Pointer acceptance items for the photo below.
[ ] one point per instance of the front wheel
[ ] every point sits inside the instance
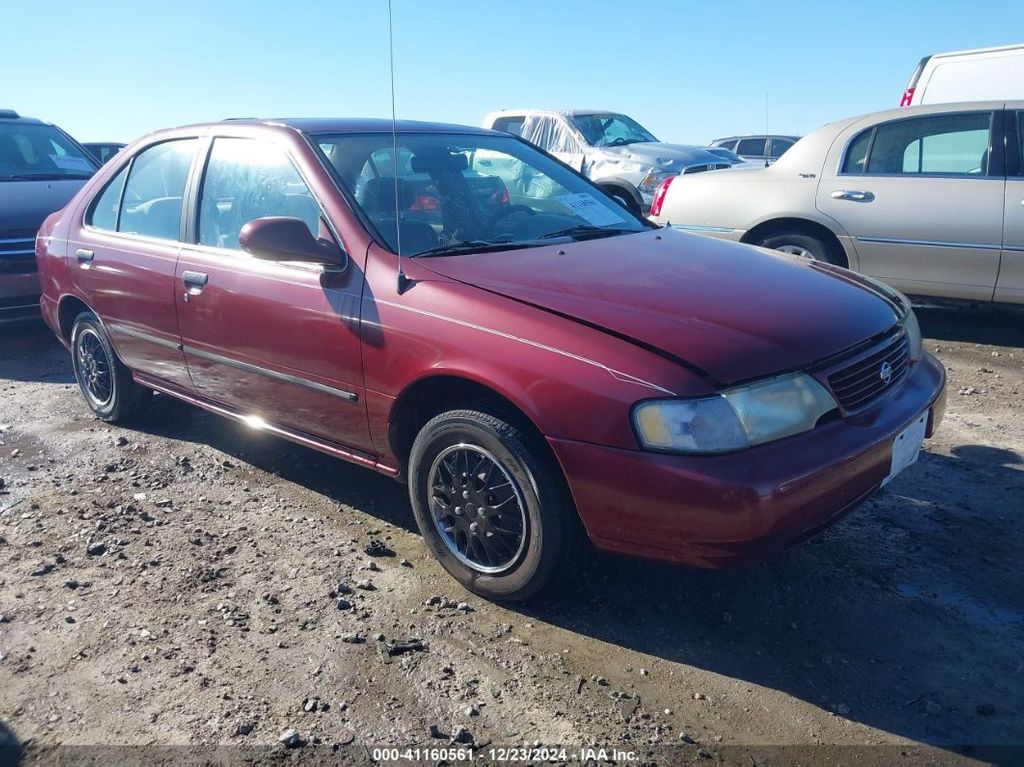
(105, 382)
(490, 502)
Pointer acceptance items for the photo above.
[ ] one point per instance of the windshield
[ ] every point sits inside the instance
(610, 129)
(32, 151)
(469, 192)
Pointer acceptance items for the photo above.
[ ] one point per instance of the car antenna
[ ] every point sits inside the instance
(403, 281)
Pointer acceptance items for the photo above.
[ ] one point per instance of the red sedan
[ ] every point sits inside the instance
(454, 308)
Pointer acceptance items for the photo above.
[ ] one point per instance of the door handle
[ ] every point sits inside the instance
(84, 256)
(194, 283)
(854, 195)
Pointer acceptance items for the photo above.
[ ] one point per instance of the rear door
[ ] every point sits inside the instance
(277, 341)
(923, 199)
(126, 254)
(1010, 286)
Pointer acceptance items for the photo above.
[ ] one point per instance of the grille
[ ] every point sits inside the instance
(859, 383)
(17, 251)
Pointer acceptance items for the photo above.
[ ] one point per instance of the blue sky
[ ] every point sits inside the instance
(689, 71)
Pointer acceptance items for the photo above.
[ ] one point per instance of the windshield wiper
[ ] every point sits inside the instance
(583, 231)
(468, 246)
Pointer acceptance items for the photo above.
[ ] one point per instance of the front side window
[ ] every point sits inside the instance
(610, 129)
(247, 179)
(753, 147)
(478, 191)
(955, 144)
(31, 151)
(152, 197)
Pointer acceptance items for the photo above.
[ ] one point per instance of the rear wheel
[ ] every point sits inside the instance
(105, 382)
(490, 502)
(801, 244)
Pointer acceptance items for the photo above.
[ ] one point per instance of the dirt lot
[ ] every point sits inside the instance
(177, 583)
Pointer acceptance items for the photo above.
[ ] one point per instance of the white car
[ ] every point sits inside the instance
(929, 199)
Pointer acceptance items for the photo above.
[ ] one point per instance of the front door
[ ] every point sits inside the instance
(275, 341)
(126, 258)
(922, 198)
(1010, 287)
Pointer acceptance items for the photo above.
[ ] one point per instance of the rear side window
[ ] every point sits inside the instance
(247, 179)
(953, 144)
(730, 144)
(513, 125)
(780, 145)
(751, 146)
(104, 211)
(151, 201)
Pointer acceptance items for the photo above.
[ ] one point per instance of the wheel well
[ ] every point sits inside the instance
(768, 228)
(430, 396)
(629, 192)
(69, 308)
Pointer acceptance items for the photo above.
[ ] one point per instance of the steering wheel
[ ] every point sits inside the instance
(507, 210)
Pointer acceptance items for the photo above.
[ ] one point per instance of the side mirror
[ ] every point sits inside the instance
(279, 238)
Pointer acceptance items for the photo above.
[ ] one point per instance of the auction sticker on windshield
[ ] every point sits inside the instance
(586, 207)
(67, 162)
(906, 446)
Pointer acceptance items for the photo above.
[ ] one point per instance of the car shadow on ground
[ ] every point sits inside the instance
(998, 325)
(30, 352)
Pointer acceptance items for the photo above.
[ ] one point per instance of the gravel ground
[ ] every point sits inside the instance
(189, 582)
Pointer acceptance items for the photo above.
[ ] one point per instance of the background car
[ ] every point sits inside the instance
(538, 364)
(41, 167)
(763, 149)
(980, 74)
(103, 151)
(929, 199)
(613, 150)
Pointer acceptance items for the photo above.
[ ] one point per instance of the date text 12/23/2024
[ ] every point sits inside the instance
(513, 754)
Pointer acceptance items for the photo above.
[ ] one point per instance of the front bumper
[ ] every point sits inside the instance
(718, 511)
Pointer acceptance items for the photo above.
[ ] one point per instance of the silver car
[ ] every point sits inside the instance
(929, 199)
(611, 149)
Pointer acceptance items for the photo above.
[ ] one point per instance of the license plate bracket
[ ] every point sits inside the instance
(906, 446)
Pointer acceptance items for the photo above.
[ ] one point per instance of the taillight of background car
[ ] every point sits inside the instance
(659, 195)
(908, 97)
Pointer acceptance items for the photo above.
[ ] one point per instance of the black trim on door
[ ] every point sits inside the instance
(1013, 122)
(285, 377)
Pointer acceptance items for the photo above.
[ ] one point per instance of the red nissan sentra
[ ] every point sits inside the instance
(535, 358)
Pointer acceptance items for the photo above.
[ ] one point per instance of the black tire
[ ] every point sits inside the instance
(106, 384)
(624, 199)
(801, 243)
(549, 523)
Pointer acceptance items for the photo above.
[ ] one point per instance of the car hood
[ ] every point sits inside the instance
(732, 311)
(24, 204)
(659, 155)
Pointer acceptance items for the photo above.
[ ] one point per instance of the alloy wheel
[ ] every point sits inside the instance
(95, 368)
(477, 508)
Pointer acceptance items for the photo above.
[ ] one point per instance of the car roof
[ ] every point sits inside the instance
(759, 135)
(313, 125)
(9, 116)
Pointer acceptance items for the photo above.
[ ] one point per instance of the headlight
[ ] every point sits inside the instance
(653, 180)
(913, 334)
(735, 419)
